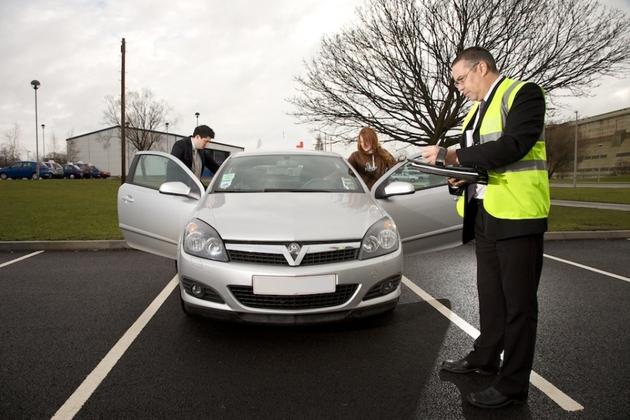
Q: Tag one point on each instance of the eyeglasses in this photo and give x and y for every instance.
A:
(461, 79)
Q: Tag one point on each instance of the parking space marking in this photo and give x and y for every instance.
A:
(586, 267)
(546, 387)
(21, 258)
(72, 406)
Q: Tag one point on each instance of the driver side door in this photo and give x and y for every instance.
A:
(151, 220)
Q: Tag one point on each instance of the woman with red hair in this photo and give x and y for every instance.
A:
(370, 160)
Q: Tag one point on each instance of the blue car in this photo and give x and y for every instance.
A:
(25, 169)
(72, 171)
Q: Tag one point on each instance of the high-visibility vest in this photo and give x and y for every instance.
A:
(519, 190)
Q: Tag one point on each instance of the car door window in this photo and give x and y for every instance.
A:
(151, 171)
(420, 180)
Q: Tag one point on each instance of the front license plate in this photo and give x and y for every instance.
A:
(290, 286)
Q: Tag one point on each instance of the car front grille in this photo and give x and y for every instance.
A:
(246, 297)
(314, 258)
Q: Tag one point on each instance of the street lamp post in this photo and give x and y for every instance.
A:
(575, 142)
(599, 165)
(197, 116)
(167, 124)
(43, 142)
(35, 84)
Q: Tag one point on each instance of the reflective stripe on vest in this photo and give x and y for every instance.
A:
(519, 190)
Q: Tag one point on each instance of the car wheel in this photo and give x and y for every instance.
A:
(34, 176)
(71, 176)
(3, 176)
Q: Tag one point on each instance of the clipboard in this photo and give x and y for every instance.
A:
(472, 175)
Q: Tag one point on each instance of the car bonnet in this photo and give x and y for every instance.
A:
(270, 217)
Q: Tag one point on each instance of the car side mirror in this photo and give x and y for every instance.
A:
(395, 188)
(177, 188)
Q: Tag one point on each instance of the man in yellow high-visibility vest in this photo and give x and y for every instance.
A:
(503, 135)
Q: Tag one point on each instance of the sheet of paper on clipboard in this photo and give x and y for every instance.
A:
(471, 175)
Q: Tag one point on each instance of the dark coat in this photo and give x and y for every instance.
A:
(183, 150)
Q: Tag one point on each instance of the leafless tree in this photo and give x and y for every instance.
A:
(10, 148)
(391, 70)
(144, 116)
(559, 140)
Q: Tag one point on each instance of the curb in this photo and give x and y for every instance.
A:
(62, 245)
(121, 244)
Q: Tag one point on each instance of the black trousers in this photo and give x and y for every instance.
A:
(508, 273)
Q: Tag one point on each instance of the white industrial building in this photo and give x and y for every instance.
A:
(102, 148)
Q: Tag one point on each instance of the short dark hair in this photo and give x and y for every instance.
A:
(203, 131)
(477, 54)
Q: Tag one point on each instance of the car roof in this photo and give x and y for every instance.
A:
(289, 152)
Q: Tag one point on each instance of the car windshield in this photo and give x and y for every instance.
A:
(286, 173)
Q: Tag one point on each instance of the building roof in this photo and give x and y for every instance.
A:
(141, 129)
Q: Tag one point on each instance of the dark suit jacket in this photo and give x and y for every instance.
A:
(183, 150)
(523, 128)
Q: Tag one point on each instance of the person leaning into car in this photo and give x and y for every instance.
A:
(502, 134)
(188, 150)
(370, 160)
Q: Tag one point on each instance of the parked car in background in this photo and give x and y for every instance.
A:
(55, 168)
(101, 174)
(94, 172)
(72, 171)
(25, 169)
(284, 237)
(85, 169)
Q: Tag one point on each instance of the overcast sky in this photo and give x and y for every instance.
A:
(231, 61)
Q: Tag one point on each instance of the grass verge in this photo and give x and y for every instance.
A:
(562, 219)
(601, 195)
(58, 209)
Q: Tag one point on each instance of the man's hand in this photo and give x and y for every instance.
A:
(454, 182)
(431, 153)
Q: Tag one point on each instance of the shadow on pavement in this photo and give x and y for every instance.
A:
(197, 368)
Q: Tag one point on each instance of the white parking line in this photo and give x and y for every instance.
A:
(72, 406)
(586, 267)
(20, 259)
(557, 396)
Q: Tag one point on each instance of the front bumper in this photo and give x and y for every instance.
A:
(359, 276)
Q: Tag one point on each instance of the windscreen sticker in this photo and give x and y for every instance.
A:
(348, 183)
(226, 180)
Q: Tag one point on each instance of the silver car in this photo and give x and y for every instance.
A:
(284, 237)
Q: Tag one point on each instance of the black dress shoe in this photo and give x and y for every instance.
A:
(463, 366)
(492, 398)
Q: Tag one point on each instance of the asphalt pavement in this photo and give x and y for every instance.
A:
(62, 312)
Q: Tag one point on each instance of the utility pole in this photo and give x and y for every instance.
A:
(575, 141)
(123, 138)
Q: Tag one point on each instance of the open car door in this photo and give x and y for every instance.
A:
(156, 201)
(427, 219)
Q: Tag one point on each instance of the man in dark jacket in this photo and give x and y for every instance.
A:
(190, 150)
(503, 135)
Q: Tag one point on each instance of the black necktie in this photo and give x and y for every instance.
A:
(480, 111)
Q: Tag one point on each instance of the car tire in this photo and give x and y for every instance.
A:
(34, 176)
(3, 176)
(71, 176)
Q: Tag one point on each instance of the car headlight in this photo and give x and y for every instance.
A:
(203, 241)
(380, 239)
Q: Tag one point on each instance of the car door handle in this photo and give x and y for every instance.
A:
(128, 199)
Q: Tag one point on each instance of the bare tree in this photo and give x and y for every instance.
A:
(144, 115)
(559, 141)
(9, 150)
(391, 70)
